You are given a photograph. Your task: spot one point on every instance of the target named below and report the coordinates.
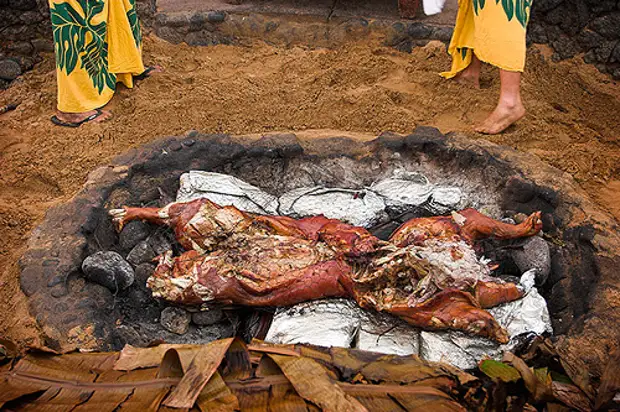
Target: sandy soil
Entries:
(573, 121)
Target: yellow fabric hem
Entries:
(452, 74)
(99, 105)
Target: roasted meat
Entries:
(427, 273)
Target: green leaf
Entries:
(499, 371)
(509, 8)
(464, 52)
(476, 6)
(76, 37)
(482, 3)
(134, 22)
(69, 30)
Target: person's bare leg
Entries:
(471, 75)
(510, 107)
(78, 117)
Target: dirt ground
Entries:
(573, 121)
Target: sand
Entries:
(573, 121)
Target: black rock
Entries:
(175, 320)
(133, 233)
(108, 269)
(608, 25)
(9, 69)
(535, 254)
(419, 30)
(143, 272)
(141, 253)
(216, 16)
(208, 317)
(159, 243)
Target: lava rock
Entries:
(175, 320)
(133, 233)
(419, 30)
(9, 69)
(159, 243)
(108, 269)
(608, 25)
(207, 317)
(535, 254)
(141, 253)
(143, 272)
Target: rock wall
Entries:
(25, 31)
(579, 26)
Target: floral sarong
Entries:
(494, 30)
(97, 44)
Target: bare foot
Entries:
(502, 117)
(78, 118)
(468, 78)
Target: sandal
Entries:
(146, 73)
(58, 122)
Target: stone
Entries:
(201, 38)
(31, 17)
(207, 317)
(565, 47)
(442, 33)
(143, 272)
(175, 320)
(159, 243)
(216, 16)
(141, 253)
(419, 30)
(169, 34)
(43, 45)
(9, 69)
(535, 254)
(133, 233)
(604, 51)
(108, 269)
(20, 48)
(607, 26)
(615, 55)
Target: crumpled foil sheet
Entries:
(340, 322)
(360, 207)
(226, 190)
(357, 207)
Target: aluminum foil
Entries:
(404, 189)
(341, 323)
(357, 207)
(329, 322)
(226, 190)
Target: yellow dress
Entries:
(494, 30)
(97, 44)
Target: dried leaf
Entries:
(312, 383)
(572, 396)
(540, 390)
(610, 381)
(238, 365)
(216, 396)
(200, 371)
(499, 371)
(135, 358)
